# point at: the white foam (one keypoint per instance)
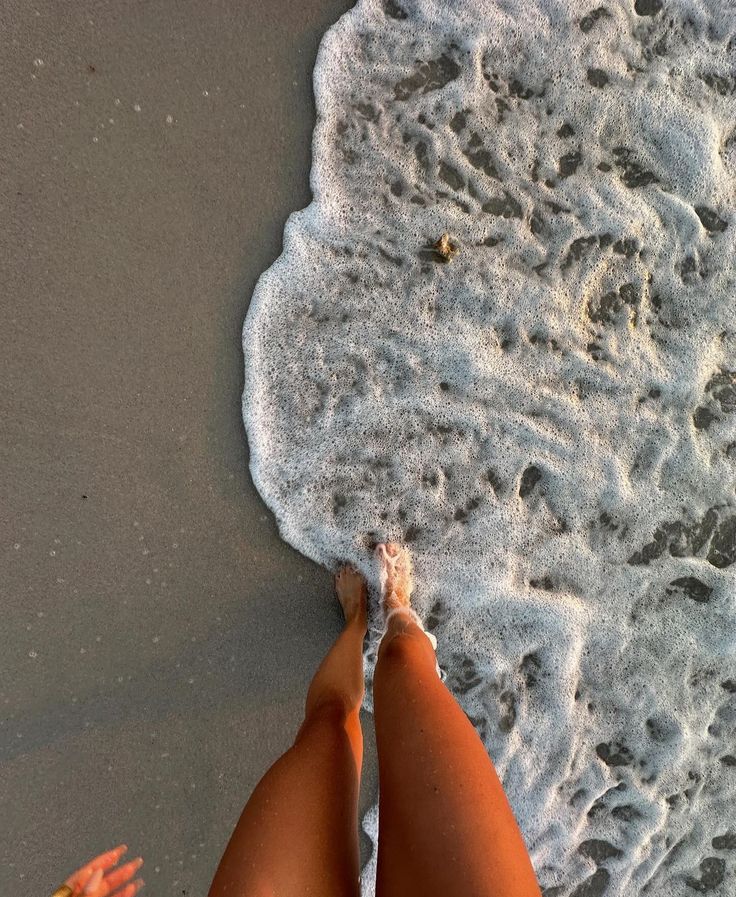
(390, 396)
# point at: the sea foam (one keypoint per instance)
(549, 419)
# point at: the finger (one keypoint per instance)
(79, 881)
(109, 859)
(130, 890)
(92, 888)
(119, 876)
(104, 861)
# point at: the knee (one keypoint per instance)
(330, 709)
(406, 647)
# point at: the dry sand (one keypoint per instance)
(157, 636)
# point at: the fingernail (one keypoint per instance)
(138, 862)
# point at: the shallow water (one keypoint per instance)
(549, 417)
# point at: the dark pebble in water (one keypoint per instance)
(436, 615)
(394, 10)
(690, 587)
(594, 886)
(481, 159)
(728, 760)
(729, 685)
(508, 711)
(647, 7)
(397, 188)
(660, 730)
(430, 75)
(598, 850)
(681, 539)
(587, 22)
(411, 533)
(578, 248)
(723, 388)
(565, 131)
(710, 220)
(544, 583)
(517, 89)
(614, 753)
(703, 417)
(507, 207)
(608, 521)
(604, 166)
(597, 77)
(722, 551)
(712, 873)
(536, 224)
(502, 107)
(725, 842)
(726, 398)
(530, 669)
(633, 175)
(625, 812)
(625, 247)
(529, 479)
(450, 176)
(569, 164)
(604, 311)
(724, 86)
(458, 122)
(466, 677)
(494, 479)
(420, 151)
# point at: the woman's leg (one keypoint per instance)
(445, 825)
(298, 833)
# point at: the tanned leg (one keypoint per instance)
(445, 826)
(298, 833)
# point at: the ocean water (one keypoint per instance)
(549, 418)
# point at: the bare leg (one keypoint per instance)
(445, 825)
(298, 833)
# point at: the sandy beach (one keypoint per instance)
(158, 637)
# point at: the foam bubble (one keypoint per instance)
(548, 419)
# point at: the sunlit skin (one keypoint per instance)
(445, 826)
(100, 878)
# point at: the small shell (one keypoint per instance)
(445, 248)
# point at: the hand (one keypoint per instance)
(98, 878)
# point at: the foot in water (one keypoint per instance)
(397, 584)
(352, 593)
(395, 575)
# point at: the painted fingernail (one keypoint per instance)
(138, 862)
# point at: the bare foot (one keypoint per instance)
(396, 579)
(352, 592)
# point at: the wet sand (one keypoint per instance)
(158, 638)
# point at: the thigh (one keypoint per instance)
(298, 832)
(445, 826)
